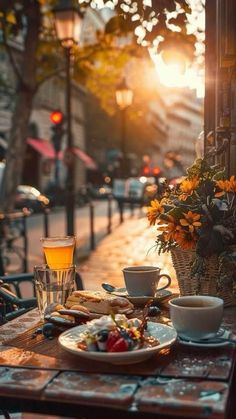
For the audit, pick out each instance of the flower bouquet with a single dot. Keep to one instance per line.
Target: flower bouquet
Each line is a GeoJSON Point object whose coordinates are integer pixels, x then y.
{"type": "Point", "coordinates": [196, 222]}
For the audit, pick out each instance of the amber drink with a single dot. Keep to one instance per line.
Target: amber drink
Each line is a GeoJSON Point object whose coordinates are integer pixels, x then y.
{"type": "Point", "coordinates": [59, 251]}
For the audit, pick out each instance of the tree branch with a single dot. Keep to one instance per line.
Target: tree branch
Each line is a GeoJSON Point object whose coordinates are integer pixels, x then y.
{"type": "Point", "coordinates": [9, 51]}
{"type": "Point", "coordinates": [48, 77]}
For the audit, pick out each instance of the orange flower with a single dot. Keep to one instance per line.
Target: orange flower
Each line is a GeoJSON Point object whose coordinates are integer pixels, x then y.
{"type": "Point", "coordinates": [227, 185]}
{"type": "Point", "coordinates": [154, 211]}
{"type": "Point", "coordinates": [232, 184]}
{"type": "Point", "coordinates": [169, 228]}
{"type": "Point", "coordinates": [186, 240]}
{"type": "Point", "coordinates": [187, 187]}
{"type": "Point", "coordinates": [190, 220]}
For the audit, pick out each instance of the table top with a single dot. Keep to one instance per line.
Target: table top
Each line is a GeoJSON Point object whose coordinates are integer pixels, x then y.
{"type": "Point", "coordinates": [180, 381]}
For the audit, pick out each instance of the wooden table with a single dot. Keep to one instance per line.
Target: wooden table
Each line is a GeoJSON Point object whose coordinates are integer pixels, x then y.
{"type": "Point", "coordinates": [36, 375]}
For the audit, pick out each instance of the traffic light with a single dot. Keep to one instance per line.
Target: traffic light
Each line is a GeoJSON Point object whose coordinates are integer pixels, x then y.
{"type": "Point", "coordinates": [156, 171]}
{"type": "Point", "coordinates": [57, 118]}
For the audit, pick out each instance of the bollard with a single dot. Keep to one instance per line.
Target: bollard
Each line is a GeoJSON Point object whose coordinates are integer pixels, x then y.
{"type": "Point", "coordinates": [92, 236]}
{"type": "Point", "coordinates": [131, 205]}
{"type": "Point", "coordinates": [25, 240]}
{"type": "Point", "coordinates": [109, 213]}
{"type": "Point", "coordinates": [46, 224]}
{"type": "Point", "coordinates": [2, 271]}
{"type": "Point", "coordinates": [121, 210]}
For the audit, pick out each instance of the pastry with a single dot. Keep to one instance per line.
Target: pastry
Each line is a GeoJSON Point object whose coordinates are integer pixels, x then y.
{"type": "Point", "coordinates": [100, 302]}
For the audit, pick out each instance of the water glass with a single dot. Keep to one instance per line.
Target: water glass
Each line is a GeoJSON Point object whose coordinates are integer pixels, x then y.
{"type": "Point", "coordinates": [52, 287]}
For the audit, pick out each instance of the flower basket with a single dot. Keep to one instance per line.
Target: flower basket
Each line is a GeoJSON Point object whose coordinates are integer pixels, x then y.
{"type": "Point", "coordinates": [207, 283]}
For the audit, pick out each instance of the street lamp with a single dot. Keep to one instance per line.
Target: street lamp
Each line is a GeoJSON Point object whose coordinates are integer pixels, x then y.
{"type": "Point", "coordinates": [124, 98]}
{"type": "Point", "coordinates": [68, 22]}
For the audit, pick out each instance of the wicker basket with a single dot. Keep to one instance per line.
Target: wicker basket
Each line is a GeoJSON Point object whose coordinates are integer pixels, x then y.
{"type": "Point", "coordinates": [182, 261]}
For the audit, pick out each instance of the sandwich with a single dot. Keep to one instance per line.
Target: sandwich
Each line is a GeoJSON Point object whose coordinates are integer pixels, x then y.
{"type": "Point", "coordinates": [99, 302]}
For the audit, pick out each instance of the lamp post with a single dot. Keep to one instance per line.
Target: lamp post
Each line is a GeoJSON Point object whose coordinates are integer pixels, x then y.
{"type": "Point", "coordinates": [68, 22]}
{"type": "Point", "coordinates": [124, 98]}
{"type": "Point", "coordinates": [57, 119]}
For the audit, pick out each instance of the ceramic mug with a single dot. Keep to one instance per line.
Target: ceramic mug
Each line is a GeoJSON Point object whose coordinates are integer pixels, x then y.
{"type": "Point", "coordinates": [196, 317]}
{"type": "Point", "coordinates": [143, 280]}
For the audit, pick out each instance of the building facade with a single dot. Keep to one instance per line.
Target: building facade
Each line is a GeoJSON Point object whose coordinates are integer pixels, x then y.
{"type": "Point", "coordinates": [185, 123]}
{"type": "Point", "coordinates": [40, 159]}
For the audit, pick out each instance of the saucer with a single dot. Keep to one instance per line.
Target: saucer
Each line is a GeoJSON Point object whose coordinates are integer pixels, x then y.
{"type": "Point", "coordinates": [214, 342]}
{"type": "Point", "coordinates": [143, 299]}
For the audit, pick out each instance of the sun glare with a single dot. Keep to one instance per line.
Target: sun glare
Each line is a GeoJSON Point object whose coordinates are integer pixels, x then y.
{"type": "Point", "coordinates": [172, 75]}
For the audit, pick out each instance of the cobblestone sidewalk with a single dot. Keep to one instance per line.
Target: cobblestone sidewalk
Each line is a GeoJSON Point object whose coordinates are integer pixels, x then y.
{"type": "Point", "coordinates": [131, 243]}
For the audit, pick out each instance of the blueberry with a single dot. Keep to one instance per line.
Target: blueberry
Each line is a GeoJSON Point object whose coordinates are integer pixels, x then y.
{"type": "Point", "coordinates": [49, 330]}
{"type": "Point", "coordinates": [124, 334]}
{"type": "Point", "coordinates": [102, 335]}
{"type": "Point", "coordinates": [153, 311]}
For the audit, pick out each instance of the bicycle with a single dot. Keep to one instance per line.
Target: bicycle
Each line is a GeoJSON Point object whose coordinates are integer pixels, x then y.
{"type": "Point", "coordinates": [12, 258]}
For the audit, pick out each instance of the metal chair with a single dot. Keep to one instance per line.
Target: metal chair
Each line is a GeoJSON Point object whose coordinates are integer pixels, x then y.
{"type": "Point", "coordinates": [12, 302]}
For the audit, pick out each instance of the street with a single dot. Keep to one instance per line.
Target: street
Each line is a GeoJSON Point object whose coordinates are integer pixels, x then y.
{"type": "Point", "coordinates": [57, 227]}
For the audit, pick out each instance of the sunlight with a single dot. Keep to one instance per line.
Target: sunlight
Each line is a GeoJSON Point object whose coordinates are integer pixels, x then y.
{"type": "Point", "coordinates": [175, 75]}
{"type": "Point", "coordinates": [179, 74]}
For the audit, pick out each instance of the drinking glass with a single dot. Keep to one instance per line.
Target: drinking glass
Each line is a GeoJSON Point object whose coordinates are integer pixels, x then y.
{"type": "Point", "coordinates": [58, 251]}
{"type": "Point", "coordinates": [53, 287]}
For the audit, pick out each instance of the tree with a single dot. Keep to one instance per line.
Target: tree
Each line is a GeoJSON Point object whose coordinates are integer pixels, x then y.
{"type": "Point", "coordinates": [32, 22]}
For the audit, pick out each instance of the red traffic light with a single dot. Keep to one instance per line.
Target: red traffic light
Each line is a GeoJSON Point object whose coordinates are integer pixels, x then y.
{"type": "Point", "coordinates": [56, 117]}
{"type": "Point", "coordinates": [146, 171]}
{"type": "Point", "coordinates": [156, 171]}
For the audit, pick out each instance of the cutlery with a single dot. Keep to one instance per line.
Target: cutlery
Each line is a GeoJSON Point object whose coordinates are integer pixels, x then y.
{"type": "Point", "coordinates": [109, 288]}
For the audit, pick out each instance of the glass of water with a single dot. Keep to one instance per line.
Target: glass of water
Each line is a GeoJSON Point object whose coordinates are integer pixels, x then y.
{"type": "Point", "coordinates": [52, 287]}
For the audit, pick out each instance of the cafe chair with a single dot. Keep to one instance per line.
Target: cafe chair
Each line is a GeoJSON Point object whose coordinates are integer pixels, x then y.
{"type": "Point", "coordinates": [12, 302]}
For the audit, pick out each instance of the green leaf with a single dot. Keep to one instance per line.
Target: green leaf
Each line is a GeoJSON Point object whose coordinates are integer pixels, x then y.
{"type": "Point", "coordinates": [219, 175]}
{"type": "Point", "coordinates": [116, 24]}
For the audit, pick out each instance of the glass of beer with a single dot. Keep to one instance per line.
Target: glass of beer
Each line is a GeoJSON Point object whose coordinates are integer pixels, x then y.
{"type": "Point", "coordinates": [58, 251]}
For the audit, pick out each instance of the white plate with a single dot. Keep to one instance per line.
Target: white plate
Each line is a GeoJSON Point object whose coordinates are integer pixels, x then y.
{"type": "Point", "coordinates": [208, 343]}
{"type": "Point", "coordinates": [166, 335]}
{"type": "Point", "coordinates": [142, 300]}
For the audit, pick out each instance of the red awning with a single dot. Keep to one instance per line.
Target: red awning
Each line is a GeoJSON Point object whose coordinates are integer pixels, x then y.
{"type": "Point", "coordinates": [43, 147]}
{"type": "Point", "coordinates": [88, 161]}
{"type": "Point", "coordinates": [46, 149]}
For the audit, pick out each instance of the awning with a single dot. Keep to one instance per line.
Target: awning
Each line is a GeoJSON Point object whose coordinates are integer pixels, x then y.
{"type": "Point", "coordinates": [46, 149]}
{"type": "Point", "coordinates": [88, 161]}
{"type": "Point", "coordinates": [43, 147]}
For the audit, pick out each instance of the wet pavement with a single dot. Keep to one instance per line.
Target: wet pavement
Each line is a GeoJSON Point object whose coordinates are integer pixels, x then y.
{"type": "Point", "coordinates": [132, 243]}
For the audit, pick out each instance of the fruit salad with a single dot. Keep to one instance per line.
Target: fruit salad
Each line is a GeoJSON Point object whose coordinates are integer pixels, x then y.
{"type": "Point", "coordinates": [116, 333]}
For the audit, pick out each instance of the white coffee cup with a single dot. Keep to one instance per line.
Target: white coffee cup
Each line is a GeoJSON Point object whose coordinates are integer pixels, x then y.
{"type": "Point", "coordinates": [196, 317]}
{"type": "Point", "coordinates": [143, 280]}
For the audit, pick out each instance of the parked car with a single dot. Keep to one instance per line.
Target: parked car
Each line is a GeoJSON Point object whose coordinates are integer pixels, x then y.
{"type": "Point", "coordinates": [30, 197]}
{"type": "Point", "coordinates": [27, 196]}
{"type": "Point", "coordinates": [101, 192]}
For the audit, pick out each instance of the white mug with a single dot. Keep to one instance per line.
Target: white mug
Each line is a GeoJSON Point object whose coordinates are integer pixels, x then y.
{"type": "Point", "coordinates": [196, 317]}
{"type": "Point", "coordinates": [143, 280]}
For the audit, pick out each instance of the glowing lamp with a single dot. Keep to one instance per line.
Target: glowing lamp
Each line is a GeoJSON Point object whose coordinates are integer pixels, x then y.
{"type": "Point", "coordinates": [124, 95]}
{"type": "Point", "coordinates": [68, 23]}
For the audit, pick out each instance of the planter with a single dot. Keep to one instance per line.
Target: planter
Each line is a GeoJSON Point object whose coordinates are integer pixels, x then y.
{"type": "Point", "coordinates": [207, 283]}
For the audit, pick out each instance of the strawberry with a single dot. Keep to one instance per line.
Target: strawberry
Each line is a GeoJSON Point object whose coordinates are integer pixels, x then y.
{"type": "Point", "coordinates": [112, 338]}
{"type": "Point", "coordinates": [120, 345]}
